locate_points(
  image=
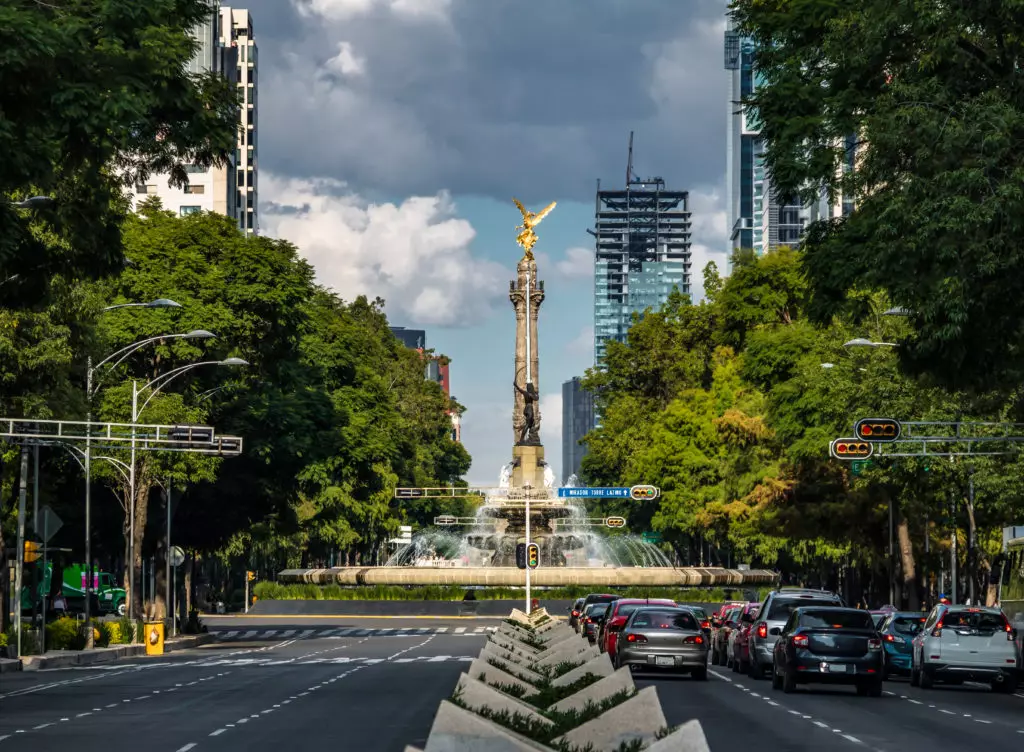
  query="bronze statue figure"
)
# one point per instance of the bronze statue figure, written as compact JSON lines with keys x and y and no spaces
{"x":528,"y":436}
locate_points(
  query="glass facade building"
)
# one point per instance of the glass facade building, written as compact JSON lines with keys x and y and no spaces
{"x":577,"y":422}
{"x":642,"y":252}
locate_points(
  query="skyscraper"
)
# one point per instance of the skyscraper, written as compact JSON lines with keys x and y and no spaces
{"x":226,"y":46}
{"x":577,"y":422}
{"x":757,"y":216}
{"x":642,"y":252}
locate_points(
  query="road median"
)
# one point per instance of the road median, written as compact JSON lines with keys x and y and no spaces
{"x":69,"y":658}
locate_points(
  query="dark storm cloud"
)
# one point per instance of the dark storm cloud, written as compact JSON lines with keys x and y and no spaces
{"x":532,"y":97}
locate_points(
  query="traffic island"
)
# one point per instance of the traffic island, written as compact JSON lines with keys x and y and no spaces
{"x":533,"y":688}
{"x":66,"y":658}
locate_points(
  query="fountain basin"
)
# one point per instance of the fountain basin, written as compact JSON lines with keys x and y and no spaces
{"x":608,"y":577}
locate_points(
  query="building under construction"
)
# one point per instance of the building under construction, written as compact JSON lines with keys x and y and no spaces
{"x":643,"y":252}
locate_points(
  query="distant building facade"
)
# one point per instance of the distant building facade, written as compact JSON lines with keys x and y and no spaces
{"x":226,"y":46}
{"x":577,"y":421}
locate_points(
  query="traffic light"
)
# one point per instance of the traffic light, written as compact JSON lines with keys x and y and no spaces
{"x":250,"y":576}
{"x":521,"y":555}
{"x":615,"y":522}
{"x":31,"y":551}
{"x":851,"y":449}
{"x":532,"y":555}
{"x":877,"y":429}
{"x":643,"y":493}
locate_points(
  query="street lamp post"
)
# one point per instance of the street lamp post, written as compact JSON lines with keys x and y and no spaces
{"x":155,"y":386}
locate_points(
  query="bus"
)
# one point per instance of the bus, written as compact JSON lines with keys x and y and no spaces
{"x":1011,"y":583}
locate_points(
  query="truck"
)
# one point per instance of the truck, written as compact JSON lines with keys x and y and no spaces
{"x":107,"y":597}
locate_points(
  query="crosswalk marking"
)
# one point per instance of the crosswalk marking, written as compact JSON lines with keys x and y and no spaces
{"x":339,"y":632}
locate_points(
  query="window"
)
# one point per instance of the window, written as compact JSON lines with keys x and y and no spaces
{"x":195,"y":169}
{"x":781,"y":608}
{"x":195,"y":189}
{"x":150,"y":188}
{"x":186,"y":210}
{"x":241,"y":178}
{"x":907,"y":625}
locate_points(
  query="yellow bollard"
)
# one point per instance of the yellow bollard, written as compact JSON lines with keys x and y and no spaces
{"x":155,"y":638}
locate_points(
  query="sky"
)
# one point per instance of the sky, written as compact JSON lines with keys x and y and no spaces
{"x":393,"y":135}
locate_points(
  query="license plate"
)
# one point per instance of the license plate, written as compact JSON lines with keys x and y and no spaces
{"x":836,"y":668}
{"x":665,"y":660}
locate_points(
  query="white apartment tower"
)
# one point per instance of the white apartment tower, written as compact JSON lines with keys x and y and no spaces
{"x":226,"y":46}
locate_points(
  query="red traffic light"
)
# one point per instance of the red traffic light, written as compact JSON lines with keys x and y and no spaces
{"x":851,"y":449}
{"x":877,"y":429}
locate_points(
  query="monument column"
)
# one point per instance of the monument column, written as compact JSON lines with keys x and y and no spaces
{"x":517,"y":295}
{"x":536,"y":298}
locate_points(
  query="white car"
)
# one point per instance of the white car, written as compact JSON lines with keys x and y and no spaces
{"x":966,"y":642}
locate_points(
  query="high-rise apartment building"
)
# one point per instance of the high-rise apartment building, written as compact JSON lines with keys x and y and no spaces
{"x":757,"y":216}
{"x":226,"y":46}
{"x":642,"y":252}
{"x":577,"y":422}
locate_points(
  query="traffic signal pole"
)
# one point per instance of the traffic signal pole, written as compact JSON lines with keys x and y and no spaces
{"x":528,"y":533}
{"x":20,"y":568}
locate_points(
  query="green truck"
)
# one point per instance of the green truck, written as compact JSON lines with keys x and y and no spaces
{"x":106,"y":595}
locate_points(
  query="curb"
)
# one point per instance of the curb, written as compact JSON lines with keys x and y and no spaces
{"x":105,"y":655}
{"x":9,"y":664}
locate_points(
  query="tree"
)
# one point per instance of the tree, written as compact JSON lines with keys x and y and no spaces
{"x":923,"y":101}
{"x":97,"y":96}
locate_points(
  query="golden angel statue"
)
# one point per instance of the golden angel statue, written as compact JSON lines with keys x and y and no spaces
{"x":528,"y":238}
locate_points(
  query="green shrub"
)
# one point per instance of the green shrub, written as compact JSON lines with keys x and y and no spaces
{"x":3,"y":639}
{"x":64,"y":634}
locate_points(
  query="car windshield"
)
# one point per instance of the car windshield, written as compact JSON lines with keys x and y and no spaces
{"x":681,"y":620}
{"x":700,"y":612}
{"x":907,"y":625}
{"x":829,"y":619}
{"x":782,"y":607}
{"x":598,"y":609}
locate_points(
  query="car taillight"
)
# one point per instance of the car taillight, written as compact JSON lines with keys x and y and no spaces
{"x":697,"y":640}
{"x":895,"y":639}
{"x":575,"y":613}
{"x":705,"y":625}
{"x":874,"y":644}
{"x":635,"y":638}
{"x":762,"y":630}
{"x":800,"y":641}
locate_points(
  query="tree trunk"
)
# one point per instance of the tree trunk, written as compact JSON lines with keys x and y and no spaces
{"x":908,"y":565}
{"x":159,"y":598}
{"x":141,"y":515}
{"x":5,"y":573}
{"x":141,"y":508}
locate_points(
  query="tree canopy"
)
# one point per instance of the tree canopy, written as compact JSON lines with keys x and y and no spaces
{"x":912,"y":112}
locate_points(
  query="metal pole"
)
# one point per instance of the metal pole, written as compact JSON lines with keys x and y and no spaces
{"x":892,"y":567}
{"x":952,"y":546}
{"x":247,"y":591}
{"x":131,"y":507}
{"x":528,"y":543}
{"x":970,"y":537}
{"x":46,"y":590}
{"x":19,"y":569}
{"x":35,"y":526}
{"x":167,"y":556}
{"x":88,"y":508}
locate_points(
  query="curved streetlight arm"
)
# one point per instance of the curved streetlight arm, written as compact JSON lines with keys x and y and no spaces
{"x":124,"y":352}
{"x":165,"y":378}
{"x":119,"y":465}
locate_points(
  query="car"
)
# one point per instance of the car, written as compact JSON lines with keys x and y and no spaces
{"x":897,"y":631}
{"x":592,"y":619}
{"x":663,"y":639}
{"x":723,"y":625}
{"x":617,"y":615}
{"x":778,"y":606}
{"x":594,"y":598}
{"x":738,"y":648}
{"x":702,"y":617}
{"x":966,"y":642}
{"x":574,"y":614}
{"x":828,"y":645}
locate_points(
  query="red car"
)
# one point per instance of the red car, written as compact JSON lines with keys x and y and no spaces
{"x":738,"y":650}
{"x":617,"y":615}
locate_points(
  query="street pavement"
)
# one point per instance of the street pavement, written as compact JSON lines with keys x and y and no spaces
{"x":374,"y":684}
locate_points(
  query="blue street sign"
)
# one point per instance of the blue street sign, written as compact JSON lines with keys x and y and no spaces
{"x":593,"y":493}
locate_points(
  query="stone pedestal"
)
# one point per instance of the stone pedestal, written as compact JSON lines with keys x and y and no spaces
{"x":527,"y":467}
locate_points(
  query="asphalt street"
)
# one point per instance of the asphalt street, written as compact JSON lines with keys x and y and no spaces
{"x":374,"y":684}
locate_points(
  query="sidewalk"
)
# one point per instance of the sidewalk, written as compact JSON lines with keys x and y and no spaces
{"x":65,"y":658}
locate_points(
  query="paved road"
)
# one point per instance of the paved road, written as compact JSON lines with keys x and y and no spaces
{"x":375,"y":684}
{"x":738,"y":712}
{"x":374,"y":689}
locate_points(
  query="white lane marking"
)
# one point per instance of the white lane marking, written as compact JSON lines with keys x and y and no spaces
{"x":187,"y":747}
{"x":289,"y":632}
{"x":41,"y":726}
{"x":820,"y":724}
{"x":853,"y":739}
{"x":947,"y":712}
{"x":250,"y":634}
{"x":218,"y":732}
{"x":460,"y":630}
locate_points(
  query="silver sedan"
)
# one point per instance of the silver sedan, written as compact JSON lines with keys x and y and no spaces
{"x":663,"y":639}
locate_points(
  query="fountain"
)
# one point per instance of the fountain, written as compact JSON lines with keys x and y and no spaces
{"x":525,"y":505}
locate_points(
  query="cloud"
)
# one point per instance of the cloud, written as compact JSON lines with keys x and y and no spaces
{"x":582,"y":343}
{"x":575,"y":263}
{"x":504,"y":96}
{"x":709,"y":234}
{"x":346,"y":62}
{"x":551,"y":429}
{"x":342,"y":10}
{"x":416,"y":254}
